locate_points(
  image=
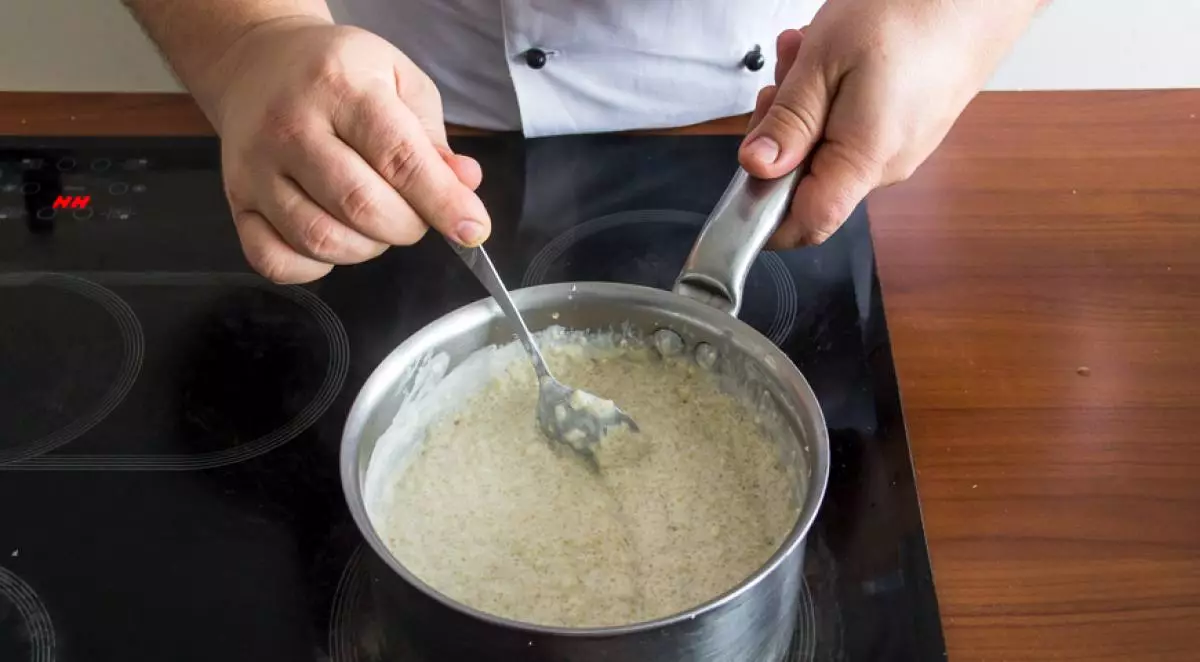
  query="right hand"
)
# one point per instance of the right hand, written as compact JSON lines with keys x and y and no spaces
{"x":333,"y":148}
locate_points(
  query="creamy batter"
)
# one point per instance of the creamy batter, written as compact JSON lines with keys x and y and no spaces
{"x":493,"y":515}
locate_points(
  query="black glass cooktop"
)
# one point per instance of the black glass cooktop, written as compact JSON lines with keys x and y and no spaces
{"x":170,"y":422}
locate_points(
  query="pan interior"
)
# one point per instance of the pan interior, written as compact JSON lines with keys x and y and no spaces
{"x":748,"y":367}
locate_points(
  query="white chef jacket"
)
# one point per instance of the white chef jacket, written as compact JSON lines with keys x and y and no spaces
{"x":611,"y":64}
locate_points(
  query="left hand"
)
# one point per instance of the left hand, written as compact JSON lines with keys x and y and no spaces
{"x":870,"y":89}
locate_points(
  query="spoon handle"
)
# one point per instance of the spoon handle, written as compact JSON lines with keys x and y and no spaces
{"x":480,"y":264}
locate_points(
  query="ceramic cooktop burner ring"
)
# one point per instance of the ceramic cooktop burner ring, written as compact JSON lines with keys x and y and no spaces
{"x":346,"y":599}
{"x":339,"y":366}
{"x":339,"y":362}
{"x":776,"y":325}
{"x":39,"y":629}
{"x":350,"y":638}
{"x":132,"y":347}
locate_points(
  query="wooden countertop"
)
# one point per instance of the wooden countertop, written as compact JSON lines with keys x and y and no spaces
{"x":1042,"y":280}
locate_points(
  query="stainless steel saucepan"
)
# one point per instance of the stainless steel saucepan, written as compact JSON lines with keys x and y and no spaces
{"x":754,"y":621}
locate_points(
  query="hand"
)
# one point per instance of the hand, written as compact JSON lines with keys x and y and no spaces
{"x":333,"y":148}
{"x":868,"y":91}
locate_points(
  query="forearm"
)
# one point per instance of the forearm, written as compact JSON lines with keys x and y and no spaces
{"x":194,"y":35}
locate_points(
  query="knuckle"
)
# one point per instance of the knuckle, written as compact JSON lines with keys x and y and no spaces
{"x":334,"y":82}
{"x":424,"y":87}
{"x":765,"y":96}
{"x":321,"y":237}
{"x":838,"y":210}
{"x":237,"y":197}
{"x":901,"y":172}
{"x":903,"y":164}
{"x":284,"y":125}
{"x":270,"y":263}
{"x":336,"y":60}
{"x":819,"y":235}
{"x":795,"y":118}
{"x":341,"y":75}
{"x":411,"y":80}
{"x":888,"y":139}
{"x":331,"y":69}
{"x":864,"y":165}
{"x":402,"y":166}
{"x":357,"y":202}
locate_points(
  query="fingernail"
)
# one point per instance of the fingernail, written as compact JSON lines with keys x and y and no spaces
{"x":764,"y":150}
{"x":469,"y":233}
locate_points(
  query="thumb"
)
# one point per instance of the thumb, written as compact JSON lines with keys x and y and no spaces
{"x":791,"y":126}
{"x":465,"y":168}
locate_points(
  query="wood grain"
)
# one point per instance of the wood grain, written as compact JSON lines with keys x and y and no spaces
{"x":100,"y":114}
{"x":1042,"y":279}
{"x":110,"y":114}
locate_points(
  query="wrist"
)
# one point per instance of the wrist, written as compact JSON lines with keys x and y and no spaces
{"x":196,"y":38}
{"x":211,"y":82}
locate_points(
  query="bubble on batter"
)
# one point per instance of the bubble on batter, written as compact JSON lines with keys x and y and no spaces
{"x":706,"y":356}
{"x":668,"y":343}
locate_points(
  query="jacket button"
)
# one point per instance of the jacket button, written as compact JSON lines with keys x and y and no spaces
{"x":535,"y":58}
{"x":754,"y":60}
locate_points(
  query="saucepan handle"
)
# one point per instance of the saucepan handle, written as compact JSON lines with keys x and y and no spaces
{"x":748,"y":213}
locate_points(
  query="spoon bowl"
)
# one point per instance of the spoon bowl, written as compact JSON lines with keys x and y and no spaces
{"x":577,"y":418}
{"x":568,"y":416}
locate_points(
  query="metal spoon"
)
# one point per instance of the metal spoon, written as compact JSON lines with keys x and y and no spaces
{"x":567,"y":415}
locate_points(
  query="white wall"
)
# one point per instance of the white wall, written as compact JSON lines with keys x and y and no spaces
{"x":1107,"y":44}
{"x":93,"y":45}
